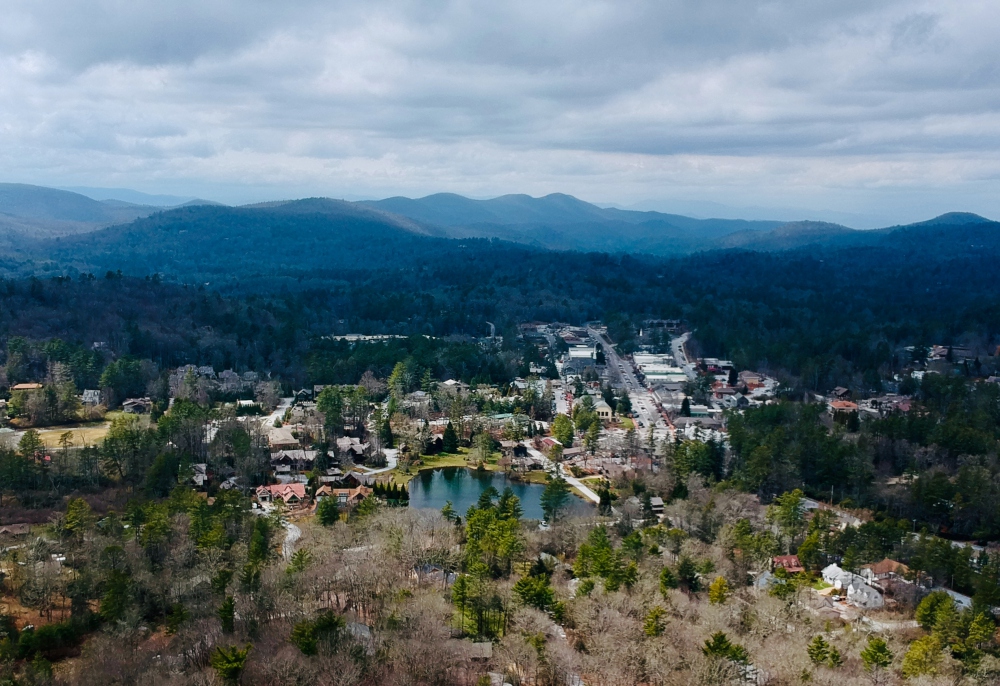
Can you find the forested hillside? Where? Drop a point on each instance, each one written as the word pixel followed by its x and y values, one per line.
pixel 823 315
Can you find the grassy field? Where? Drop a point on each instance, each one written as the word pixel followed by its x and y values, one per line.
pixel 431 462
pixel 535 476
pixel 83 433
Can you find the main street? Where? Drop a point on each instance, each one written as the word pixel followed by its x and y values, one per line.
pixel 643 405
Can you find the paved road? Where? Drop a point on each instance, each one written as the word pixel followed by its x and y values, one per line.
pixel 278 413
pixel 643 404
pixel 680 356
pixel 550 467
pixel 391 459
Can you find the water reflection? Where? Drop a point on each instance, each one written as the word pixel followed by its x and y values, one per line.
pixel 432 488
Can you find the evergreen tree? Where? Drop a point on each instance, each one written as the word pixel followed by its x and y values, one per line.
pixel 668 580
pixel 227 615
pixel 876 655
pixel 327 511
pixel 554 497
pixel 230 663
pixel 449 442
pixel 818 650
pixel 686 408
pixel 718 591
pixel 655 622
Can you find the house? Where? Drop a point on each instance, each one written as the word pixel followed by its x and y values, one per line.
pixel 281 438
pixel 570 453
pixel 137 405
pixel 750 379
pixel 199 474
pixel 603 410
pixel 345 497
pixel 287 493
pixel 302 394
pixel 841 393
pixel 352 447
pixel 682 423
pixel 26 387
pixel 297 458
pixel 842 408
pixel 884 570
pixel 656 503
pixel 15 529
pixel 790 563
pixel 857 591
pixel 91 397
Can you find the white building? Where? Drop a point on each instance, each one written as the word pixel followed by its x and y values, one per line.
pixel 853 587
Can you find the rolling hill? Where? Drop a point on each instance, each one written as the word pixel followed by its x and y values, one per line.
pixel 38 212
pixel 562 222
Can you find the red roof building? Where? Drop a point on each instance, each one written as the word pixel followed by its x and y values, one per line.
pixel 790 563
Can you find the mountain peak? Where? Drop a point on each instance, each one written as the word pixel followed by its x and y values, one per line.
pixel 958 218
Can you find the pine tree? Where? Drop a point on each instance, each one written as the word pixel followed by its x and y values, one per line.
pixel 449 442
pixel 686 408
pixel 718 591
pixel 327 512
pixel 876 655
pixel 229 664
pixel 655 622
pixel 668 580
pixel 819 650
pixel 227 614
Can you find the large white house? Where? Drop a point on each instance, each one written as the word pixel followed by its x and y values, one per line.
pixel 854 587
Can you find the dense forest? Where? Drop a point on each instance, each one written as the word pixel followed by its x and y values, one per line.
pixel 255 288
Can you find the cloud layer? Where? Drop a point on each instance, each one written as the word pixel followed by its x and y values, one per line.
pixel 882 107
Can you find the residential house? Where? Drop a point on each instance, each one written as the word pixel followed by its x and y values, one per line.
pixel 841 393
pixel 26 387
pixel 15 530
pixel 199 475
pixel 345 497
pixel 842 408
pixel 137 405
pixel 298 459
pixel 790 563
pixel 857 591
pixel 885 570
pixel 281 438
pixel 349 446
pixel 656 503
pixel 290 494
pixel 91 397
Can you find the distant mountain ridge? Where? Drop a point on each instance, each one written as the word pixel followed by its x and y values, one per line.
pixel 92 232
pixel 28 212
pixel 562 222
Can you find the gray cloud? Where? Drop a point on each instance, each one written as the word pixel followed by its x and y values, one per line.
pixel 879 106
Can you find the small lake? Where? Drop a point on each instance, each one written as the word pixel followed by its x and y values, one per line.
pixel 432 488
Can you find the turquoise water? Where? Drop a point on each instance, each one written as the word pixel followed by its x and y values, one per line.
pixel 432 488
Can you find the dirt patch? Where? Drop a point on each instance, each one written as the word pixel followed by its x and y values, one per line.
pixel 23 616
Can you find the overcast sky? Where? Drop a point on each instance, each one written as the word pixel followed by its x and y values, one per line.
pixel 876 110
